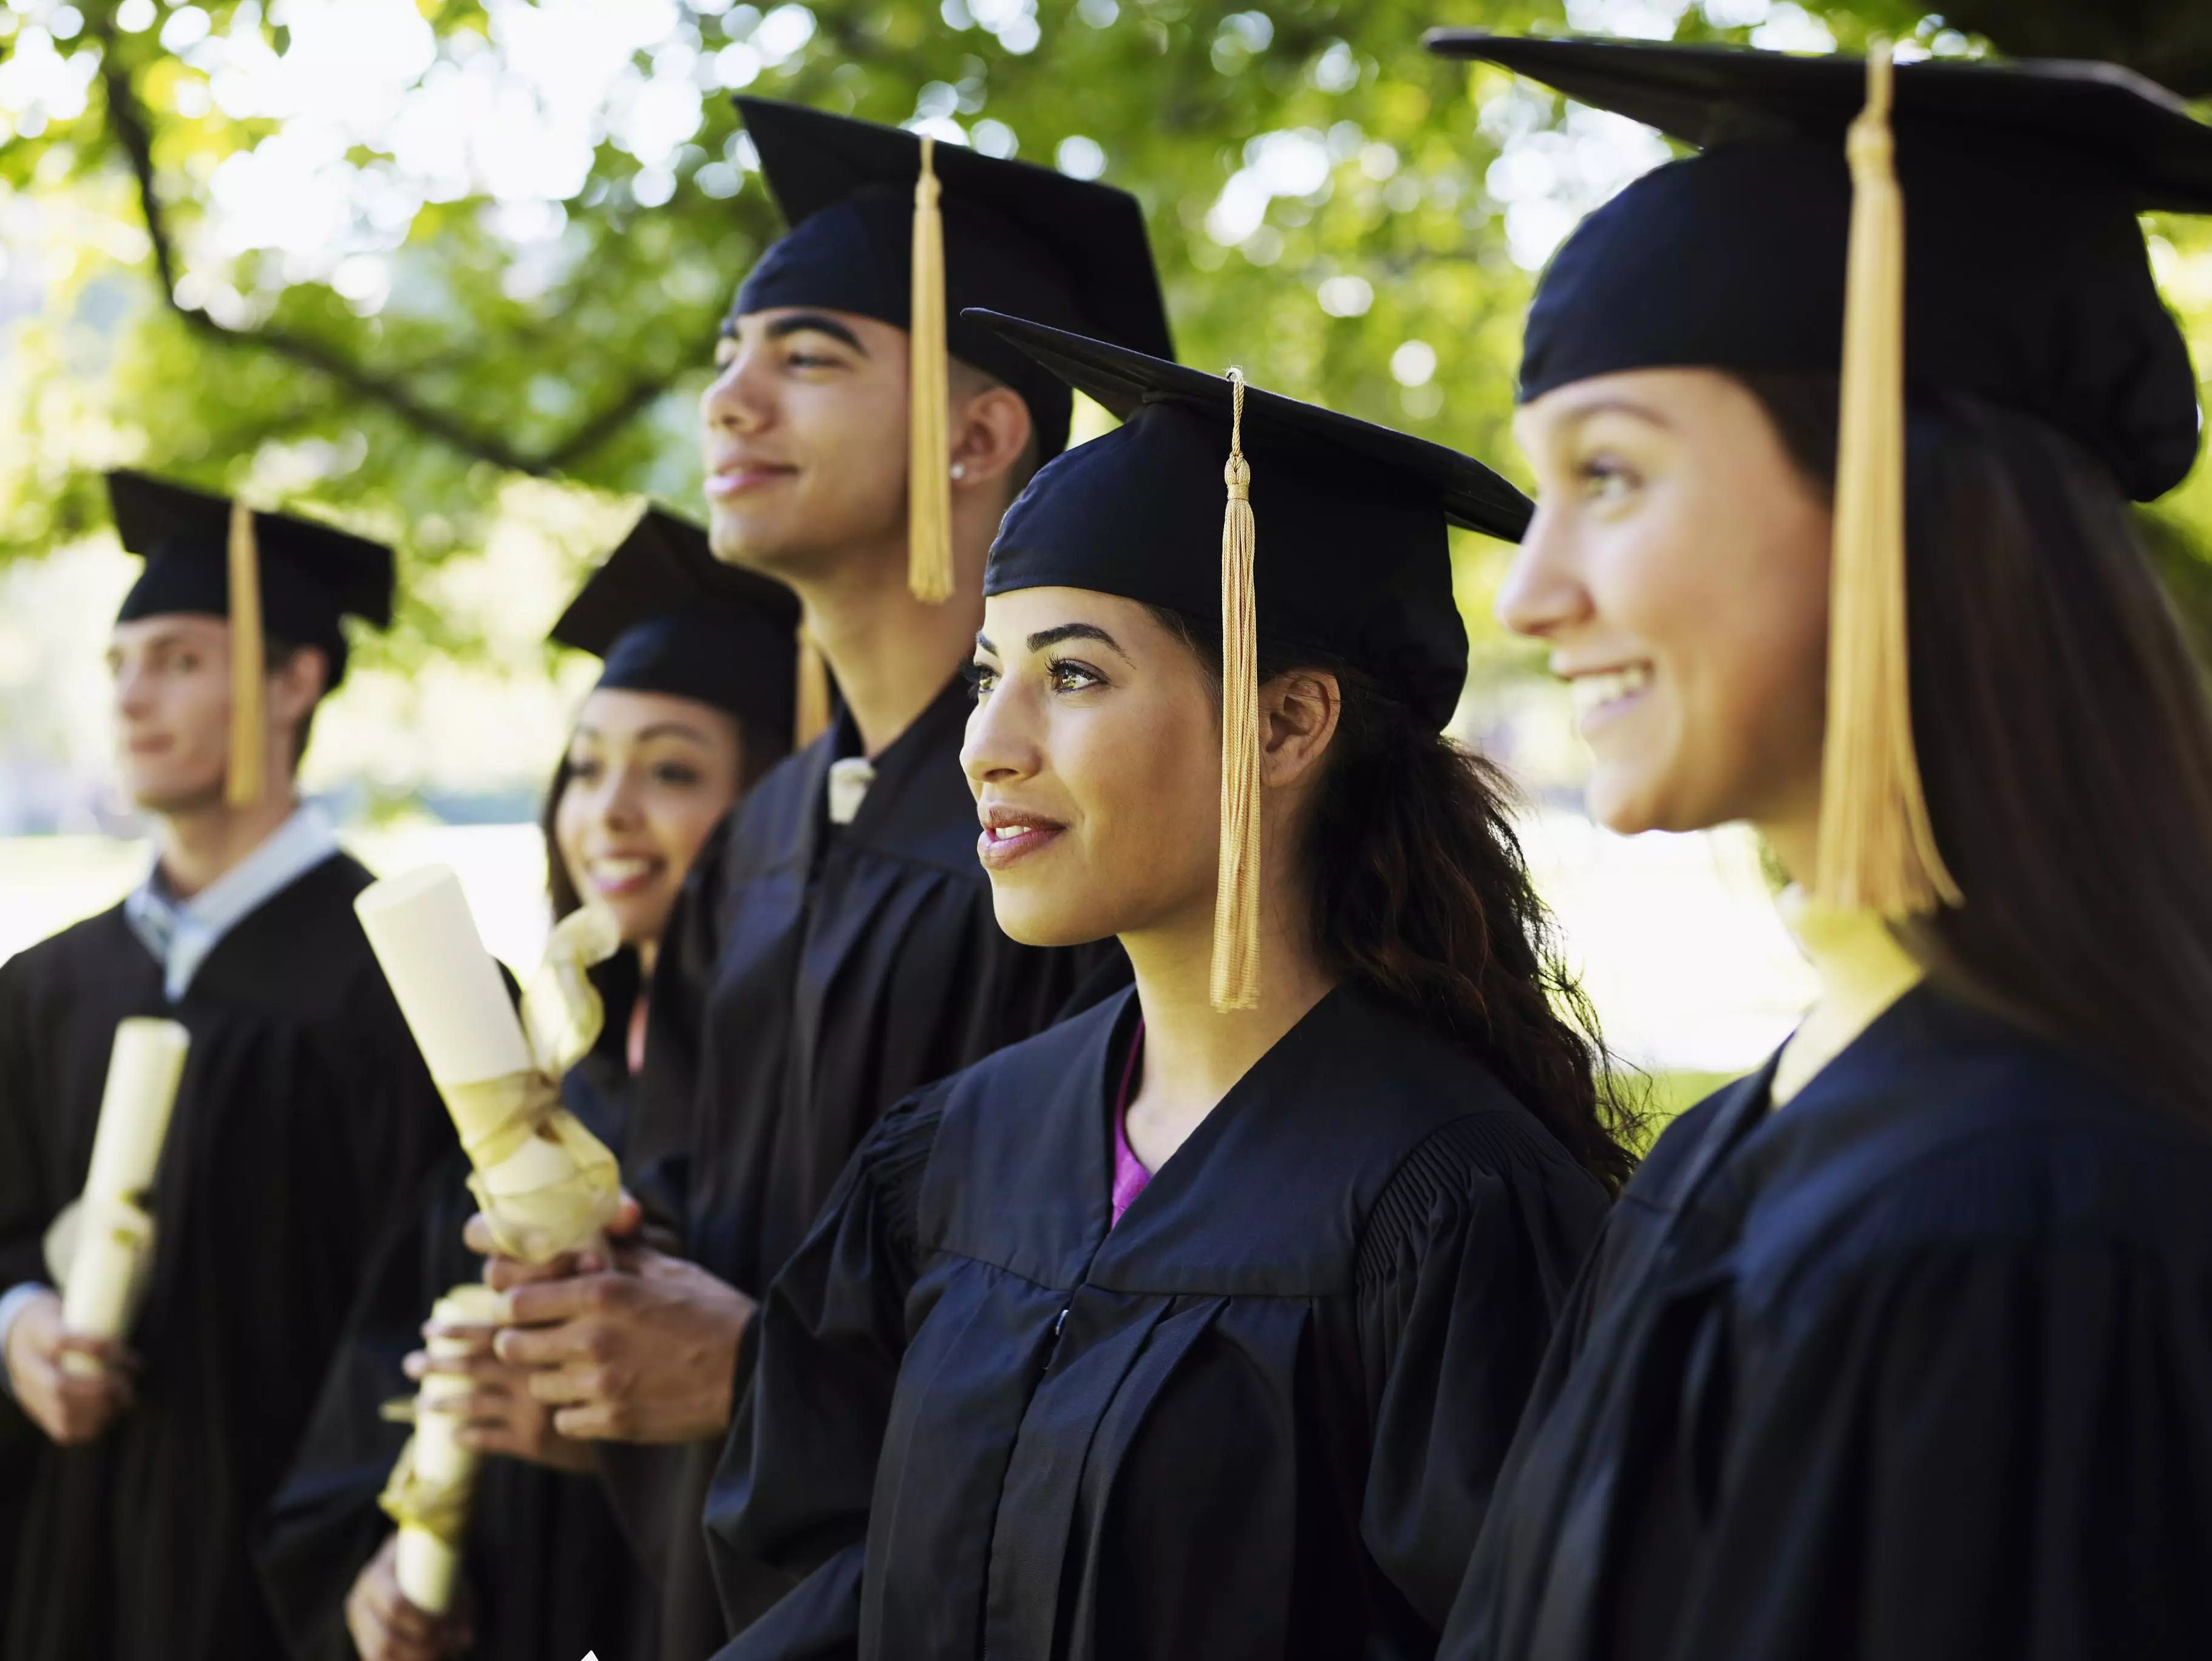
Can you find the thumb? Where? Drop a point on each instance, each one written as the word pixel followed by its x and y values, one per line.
pixel 629 1215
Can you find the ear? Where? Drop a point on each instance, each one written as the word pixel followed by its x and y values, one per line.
pixel 295 684
pixel 990 430
pixel 1297 718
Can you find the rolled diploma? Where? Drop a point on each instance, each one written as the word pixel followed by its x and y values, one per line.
pixel 446 984
pixel 143 1070
pixel 427 1566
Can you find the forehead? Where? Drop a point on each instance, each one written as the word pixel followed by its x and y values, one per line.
pixel 169 628
pixel 620 713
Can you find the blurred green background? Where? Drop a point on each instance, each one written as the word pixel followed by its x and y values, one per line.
pixel 450 272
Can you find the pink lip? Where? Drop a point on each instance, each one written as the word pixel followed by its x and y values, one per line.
pixel 737 481
pixel 997 852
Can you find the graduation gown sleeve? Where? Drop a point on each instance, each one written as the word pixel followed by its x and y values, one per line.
pixel 1979 1449
pixel 787 1516
pixel 1465 1267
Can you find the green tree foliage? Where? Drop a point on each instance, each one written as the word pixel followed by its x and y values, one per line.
pixel 1328 201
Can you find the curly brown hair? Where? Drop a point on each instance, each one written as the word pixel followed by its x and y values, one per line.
pixel 1421 895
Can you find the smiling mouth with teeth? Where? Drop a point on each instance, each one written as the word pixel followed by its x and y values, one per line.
pixel 1595 693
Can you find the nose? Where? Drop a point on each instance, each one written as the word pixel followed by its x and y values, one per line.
pixel 1003 745
pixel 619 805
pixel 1543 591
pixel 736 400
pixel 133 697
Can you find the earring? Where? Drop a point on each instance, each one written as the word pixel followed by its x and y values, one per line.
pixel 959 470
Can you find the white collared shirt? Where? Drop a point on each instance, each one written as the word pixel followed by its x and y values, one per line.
pixel 180 934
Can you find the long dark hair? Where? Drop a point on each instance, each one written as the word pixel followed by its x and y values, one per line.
pixel 2064 737
pixel 1421 895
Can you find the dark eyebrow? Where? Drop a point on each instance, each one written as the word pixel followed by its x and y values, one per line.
pixel 983 644
pixel 818 323
pixel 1045 637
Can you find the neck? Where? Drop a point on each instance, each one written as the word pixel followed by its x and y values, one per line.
pixel 891 652
pixel 1194 1053
pixel 1863 971
pixel 648 954
pixel 198 845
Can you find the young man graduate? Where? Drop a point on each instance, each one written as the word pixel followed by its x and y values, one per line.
pixel 125 1489
pixel 836 947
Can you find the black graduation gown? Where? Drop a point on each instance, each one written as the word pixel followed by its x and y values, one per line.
pixel 1259 1418
pixel 303 1111
pixel 811 976
pixel 551 1574
pixel 1918 1367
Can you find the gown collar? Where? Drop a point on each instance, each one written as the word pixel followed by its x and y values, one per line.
pixel 181 934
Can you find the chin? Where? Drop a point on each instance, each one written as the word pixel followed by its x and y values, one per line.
pixel 166 796
pixel 1623 805
pixel 1033 920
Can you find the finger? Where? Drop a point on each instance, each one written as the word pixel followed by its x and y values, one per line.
pixel 568 1386
pixel 487 1366
pixel 629 1217
pixel 592 1422
pixel 543 1302
pixel 477 1336
pixel 528 1348
pixel 109 1353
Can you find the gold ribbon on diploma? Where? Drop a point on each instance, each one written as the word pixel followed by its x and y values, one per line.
pixel 412 1500
pixel 533 1219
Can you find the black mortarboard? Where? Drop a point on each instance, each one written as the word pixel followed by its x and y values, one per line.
pixel 1017 238
pixel 664 615
pixel 2027 279
pixel 312 574
pixel 296 579
pixel 1352 556
pixel 1332 538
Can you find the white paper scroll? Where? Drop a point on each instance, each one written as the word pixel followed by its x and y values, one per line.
pixel 113 1231
pixel 429 1567
pixel 446 984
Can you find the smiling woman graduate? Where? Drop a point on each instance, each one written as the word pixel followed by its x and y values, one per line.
pixel 694 699
pixel 1902 1347
pixel 1197 1325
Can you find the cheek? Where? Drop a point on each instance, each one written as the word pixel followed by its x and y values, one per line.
pixel 569 820
pixel 679 824
pixel 1148 786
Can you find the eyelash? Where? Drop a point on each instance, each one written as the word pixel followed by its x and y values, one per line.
pixel 1600 474
pixel 981 677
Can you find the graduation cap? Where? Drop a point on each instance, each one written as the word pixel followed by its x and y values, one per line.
pixel 1215 498
pixel 664 615
pixel 1967 228
pixel 890 225
pixel 272 576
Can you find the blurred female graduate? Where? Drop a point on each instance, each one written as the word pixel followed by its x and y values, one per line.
pixel 694 699
pixel 1902 1347
pixel 1198 1324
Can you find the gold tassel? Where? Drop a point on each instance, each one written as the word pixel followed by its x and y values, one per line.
pixel 248 719
pixel 929 445
pixel 1877 847
pixel 811 716
pixel 1236 982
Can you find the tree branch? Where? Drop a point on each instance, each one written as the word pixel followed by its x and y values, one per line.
pixel 133 131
